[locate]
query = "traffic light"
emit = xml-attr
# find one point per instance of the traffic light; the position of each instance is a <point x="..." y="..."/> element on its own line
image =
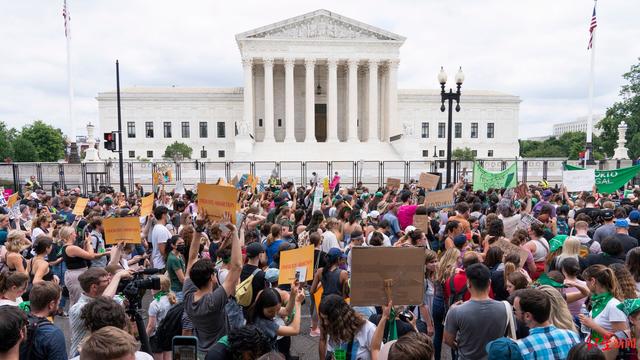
<point x="110" y="141"/>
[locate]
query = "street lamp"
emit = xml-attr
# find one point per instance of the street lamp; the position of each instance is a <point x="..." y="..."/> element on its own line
<point x="450" y="96"/>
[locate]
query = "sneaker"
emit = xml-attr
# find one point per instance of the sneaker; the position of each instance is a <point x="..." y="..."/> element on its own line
<point x="314" y="333"/>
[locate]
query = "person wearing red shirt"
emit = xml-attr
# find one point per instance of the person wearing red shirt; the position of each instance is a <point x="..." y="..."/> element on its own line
<point x="460" y="279"/>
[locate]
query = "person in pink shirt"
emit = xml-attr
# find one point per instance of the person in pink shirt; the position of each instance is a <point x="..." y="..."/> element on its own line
<point x="406" y="210"/>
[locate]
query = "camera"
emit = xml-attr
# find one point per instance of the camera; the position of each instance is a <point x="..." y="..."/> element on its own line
<point x="134" y="289"/>
<point x="406" y="316"/>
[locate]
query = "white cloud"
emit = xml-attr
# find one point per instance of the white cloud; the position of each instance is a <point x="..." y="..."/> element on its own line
<point x="536" y="50"/>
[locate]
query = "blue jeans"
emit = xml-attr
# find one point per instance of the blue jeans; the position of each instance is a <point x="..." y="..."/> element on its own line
<point x="438" y="314"/>
<point x="59" y="271"/>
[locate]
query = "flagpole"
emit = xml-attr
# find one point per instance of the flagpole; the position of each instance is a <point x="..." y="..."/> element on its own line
<point x="73" y="147"/>
<point x="589" y="153"/>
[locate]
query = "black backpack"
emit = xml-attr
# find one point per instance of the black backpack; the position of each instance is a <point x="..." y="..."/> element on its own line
<point x="169" y="327"/>
<point x="26" y="348"/>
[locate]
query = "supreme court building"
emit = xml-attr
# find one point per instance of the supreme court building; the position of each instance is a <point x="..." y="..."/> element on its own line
<point x="319" y="86"/>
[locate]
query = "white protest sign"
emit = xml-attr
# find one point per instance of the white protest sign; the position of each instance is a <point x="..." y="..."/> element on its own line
<point x="180" y="188"/>
<point x="579" y="180"/>
<point x="317" y="198"/>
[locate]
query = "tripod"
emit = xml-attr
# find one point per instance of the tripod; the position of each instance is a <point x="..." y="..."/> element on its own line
<point x="134" y="314"/>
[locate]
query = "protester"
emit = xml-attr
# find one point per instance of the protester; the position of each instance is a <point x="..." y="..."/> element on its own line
<point x="13" y="284"/>
<point x="13" y="331"/>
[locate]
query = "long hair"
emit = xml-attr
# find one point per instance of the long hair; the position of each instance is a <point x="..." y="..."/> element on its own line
<point x="316" y="219"/>
<point x="447" y="265"/>
<point x="339" y="320"/>
<point x="165" y="285"/>
<point x="266" y="298"/>
<point x="494" y="257"/>
<point x="625" y="281"/>
<point x="560" y="315"/>
<point x="517" y="279"/>
<point x="633" y="263"/>
<point x="429" y="256"/>
<point x="495" y="231"/>
<point x="276" y="230"/>
<point x="605" y="277"/>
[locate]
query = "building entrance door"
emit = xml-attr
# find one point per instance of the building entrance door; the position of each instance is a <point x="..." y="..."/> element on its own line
<point x="321" y="122"/>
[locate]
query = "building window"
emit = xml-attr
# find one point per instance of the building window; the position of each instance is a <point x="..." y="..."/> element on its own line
<point x="474" y="130"/>
<point x="441" y="153"/>
<point x="167" y="129"/>
<point x="148" y="129"/>
<point x="185" y="129"/>
<point x="474" y="153"/>
<point x="220" y="153"/>
<point x="490" y="153"/>
<point x="203" y="129"/>
<point x="490" y="130"/>
<point x="221" y="130"/>
<point x="150" y="154"/>
<point x="132" y="154"/>
<point x="259" y="122"/>
<point x="279" y="122"/>
<point x="131" y="129"/>
<point x="441" y="128"/>
<point x="425" y="153"/>
<point x="458" y="130"/>
<point x="425" y="130"/>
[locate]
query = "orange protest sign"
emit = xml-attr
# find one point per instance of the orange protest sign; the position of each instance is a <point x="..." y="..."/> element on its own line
<point x="217" y="200"/>
<point x="317" y="297"/>
<point x="147" y="205"/>
<point x="81" y="204"/>
<point x="125" y="229"/>
<point x="12" y="200"/>
<point x="291" y="260"/>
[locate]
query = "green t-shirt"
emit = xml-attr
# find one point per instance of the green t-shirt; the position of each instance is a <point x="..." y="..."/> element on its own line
<point x="175" y="263"/>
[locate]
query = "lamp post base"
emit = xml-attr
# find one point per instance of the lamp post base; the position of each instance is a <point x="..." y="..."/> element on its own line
<point x="589" y="154"/>
<point x="74" y="157"/>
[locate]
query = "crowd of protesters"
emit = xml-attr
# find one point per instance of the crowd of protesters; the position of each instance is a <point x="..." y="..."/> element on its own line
<point x="534" y="272"/>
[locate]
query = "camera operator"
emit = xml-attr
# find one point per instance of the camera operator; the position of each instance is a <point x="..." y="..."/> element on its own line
<point x="94" y="282"/>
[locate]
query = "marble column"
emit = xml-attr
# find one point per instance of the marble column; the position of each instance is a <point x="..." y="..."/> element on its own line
<point x="310" y="106"/>
<point x="392" y="98"/>
<point x="332" y="101"/>
<point x="373" y="100"/>
<point x="352" y="118"/>
<point x="268" y="100"/>
<point x="289" y="112"/>
<point x="247" y="116"/>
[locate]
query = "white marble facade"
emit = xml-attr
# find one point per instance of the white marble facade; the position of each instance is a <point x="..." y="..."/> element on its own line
<point x="314" y="86"/>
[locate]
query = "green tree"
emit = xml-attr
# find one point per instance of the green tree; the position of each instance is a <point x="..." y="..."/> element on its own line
<point x="6" y="138"/>
<point x="24" y="150"/>
<point x="627" y="109"/>
<point x="463" y="154"/>
<point x="178" y="149"/>
<point x="568" y="145"/>
<point x="48" y="141"/>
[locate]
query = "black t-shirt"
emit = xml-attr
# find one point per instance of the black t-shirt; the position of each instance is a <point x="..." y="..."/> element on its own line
<point x="258" y="283"/>
<point x="592" y="212"/>
<point x="602" y="259"/>
<point x="634" y="230"/>
<point x="628" y="242"/>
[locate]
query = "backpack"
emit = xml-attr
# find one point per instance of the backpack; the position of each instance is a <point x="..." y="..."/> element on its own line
<point x="244" y="290"/>
<point x="26" y="348"/>
<point x="169" y="327"/>
<point x="503" y="349"/>
<point x="585" y="249"/>
<point x="455" y="295"/>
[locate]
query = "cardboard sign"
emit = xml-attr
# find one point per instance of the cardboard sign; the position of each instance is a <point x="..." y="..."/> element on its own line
<point x="393" y="183"/>
<point x="371" y="266"/>
<point x="579" y="180"/>
<point x="147" y="205"/>
<point x="421" y="222"/>
<point x="428" y="181"/>
<point x="217" y="199"/>
<point x="290" y="260"/>
<point x="81" y="204"/>
<point x="125" y="229"/>
<point x="508" y="248"/>
<point x="12" y="200"/>
<point x="521" y="191"/>
<point x="439" y="199"/>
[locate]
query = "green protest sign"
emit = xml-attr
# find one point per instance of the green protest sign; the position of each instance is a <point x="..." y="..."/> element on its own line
<point x="484" y="180"/>
<point x="608" y="181"/>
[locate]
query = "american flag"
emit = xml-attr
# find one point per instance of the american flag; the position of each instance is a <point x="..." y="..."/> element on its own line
<point x="67" y="20"/>
<point x="592" y="27"/>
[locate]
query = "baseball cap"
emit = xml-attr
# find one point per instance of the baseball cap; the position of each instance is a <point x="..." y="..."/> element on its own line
<point x="335" y="253"/>
<point x="254" y="249"/>
<point x="607" y="214"/>
<point x="622" y="223"/>
<point x="271" y="275"/>
<point x="374" y="214"/>
<point x="634" y="215"/>
<point x="409" y="229"/>
<point x="547" y="193"/>
<point x="379" y="194"/>
<point x="460" y="240"/>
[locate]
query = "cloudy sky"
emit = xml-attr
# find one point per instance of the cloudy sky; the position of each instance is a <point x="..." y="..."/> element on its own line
<point x="533" y="49"/>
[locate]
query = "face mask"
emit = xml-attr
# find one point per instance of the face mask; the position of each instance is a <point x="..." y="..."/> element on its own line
<point x="180" y="248"/>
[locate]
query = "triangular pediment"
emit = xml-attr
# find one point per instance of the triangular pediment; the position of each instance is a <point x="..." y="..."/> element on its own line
<point x="320" y="25"/>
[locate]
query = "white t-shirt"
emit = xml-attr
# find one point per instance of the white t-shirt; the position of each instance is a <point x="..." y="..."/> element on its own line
<point x="361" y="342"/>
<point x="35" y="233"/>
<point x="11" y="303"/>
<point x="329" y="241"/>
<point x="159" y="310"/>
<point x="159" y="235"/>
<point x="385" y="241"/>
<point x="610" y="314"/>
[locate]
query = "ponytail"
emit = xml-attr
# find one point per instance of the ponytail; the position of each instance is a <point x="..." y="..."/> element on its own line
<point x="606" y="278"/>
<point x="276" y="229"/>
<point x="171" y="296"/>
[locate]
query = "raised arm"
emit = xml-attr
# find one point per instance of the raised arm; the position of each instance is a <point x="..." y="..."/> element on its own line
<point x="235" y="266"/>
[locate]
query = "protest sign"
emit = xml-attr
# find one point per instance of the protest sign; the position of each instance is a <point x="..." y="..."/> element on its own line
<point x="521" y="191"/>
<point x="325" y="185"/>
<point x="317" y="199"/>
<point x="12" y="200"/>
<point x="439" y="199"/>
<point x="180" y="188"/>
<point x="508" y="248"/>
<point x="608" y="181"/>
<point x="81" y="204"/>
<point x="125" y="229"/>
<point x="579" y="180"/>
<point x="235" y="180"/>
<point x="217" y="200"/>
<point x="485" y="180"/>
<point x="372" y="266"/>
<point x="421" y="222"/>
<point x="526" y="220"/>
<point x="428" y="181"/>
<point x="292" y="259"/>
<point x="393" y="183"/>
<point x="147" y="205"/>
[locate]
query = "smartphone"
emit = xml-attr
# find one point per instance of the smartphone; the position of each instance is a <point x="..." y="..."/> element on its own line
<point x="184" y="348"/>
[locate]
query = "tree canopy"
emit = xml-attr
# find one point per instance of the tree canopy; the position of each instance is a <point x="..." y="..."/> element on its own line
<point x="36" y="142"/>
<point x="178" y="149"/>
<point x="463" y="154"/>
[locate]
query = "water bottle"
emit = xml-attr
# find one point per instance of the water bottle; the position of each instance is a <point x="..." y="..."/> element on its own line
<point x="583" y="328"/>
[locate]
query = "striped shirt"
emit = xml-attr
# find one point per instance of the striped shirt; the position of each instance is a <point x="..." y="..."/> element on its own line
<point x="78" y="329"/>
<point x="547" y="343"/>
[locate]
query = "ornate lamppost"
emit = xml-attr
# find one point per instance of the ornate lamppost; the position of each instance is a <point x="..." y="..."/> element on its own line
<point x="450" y="97"/>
